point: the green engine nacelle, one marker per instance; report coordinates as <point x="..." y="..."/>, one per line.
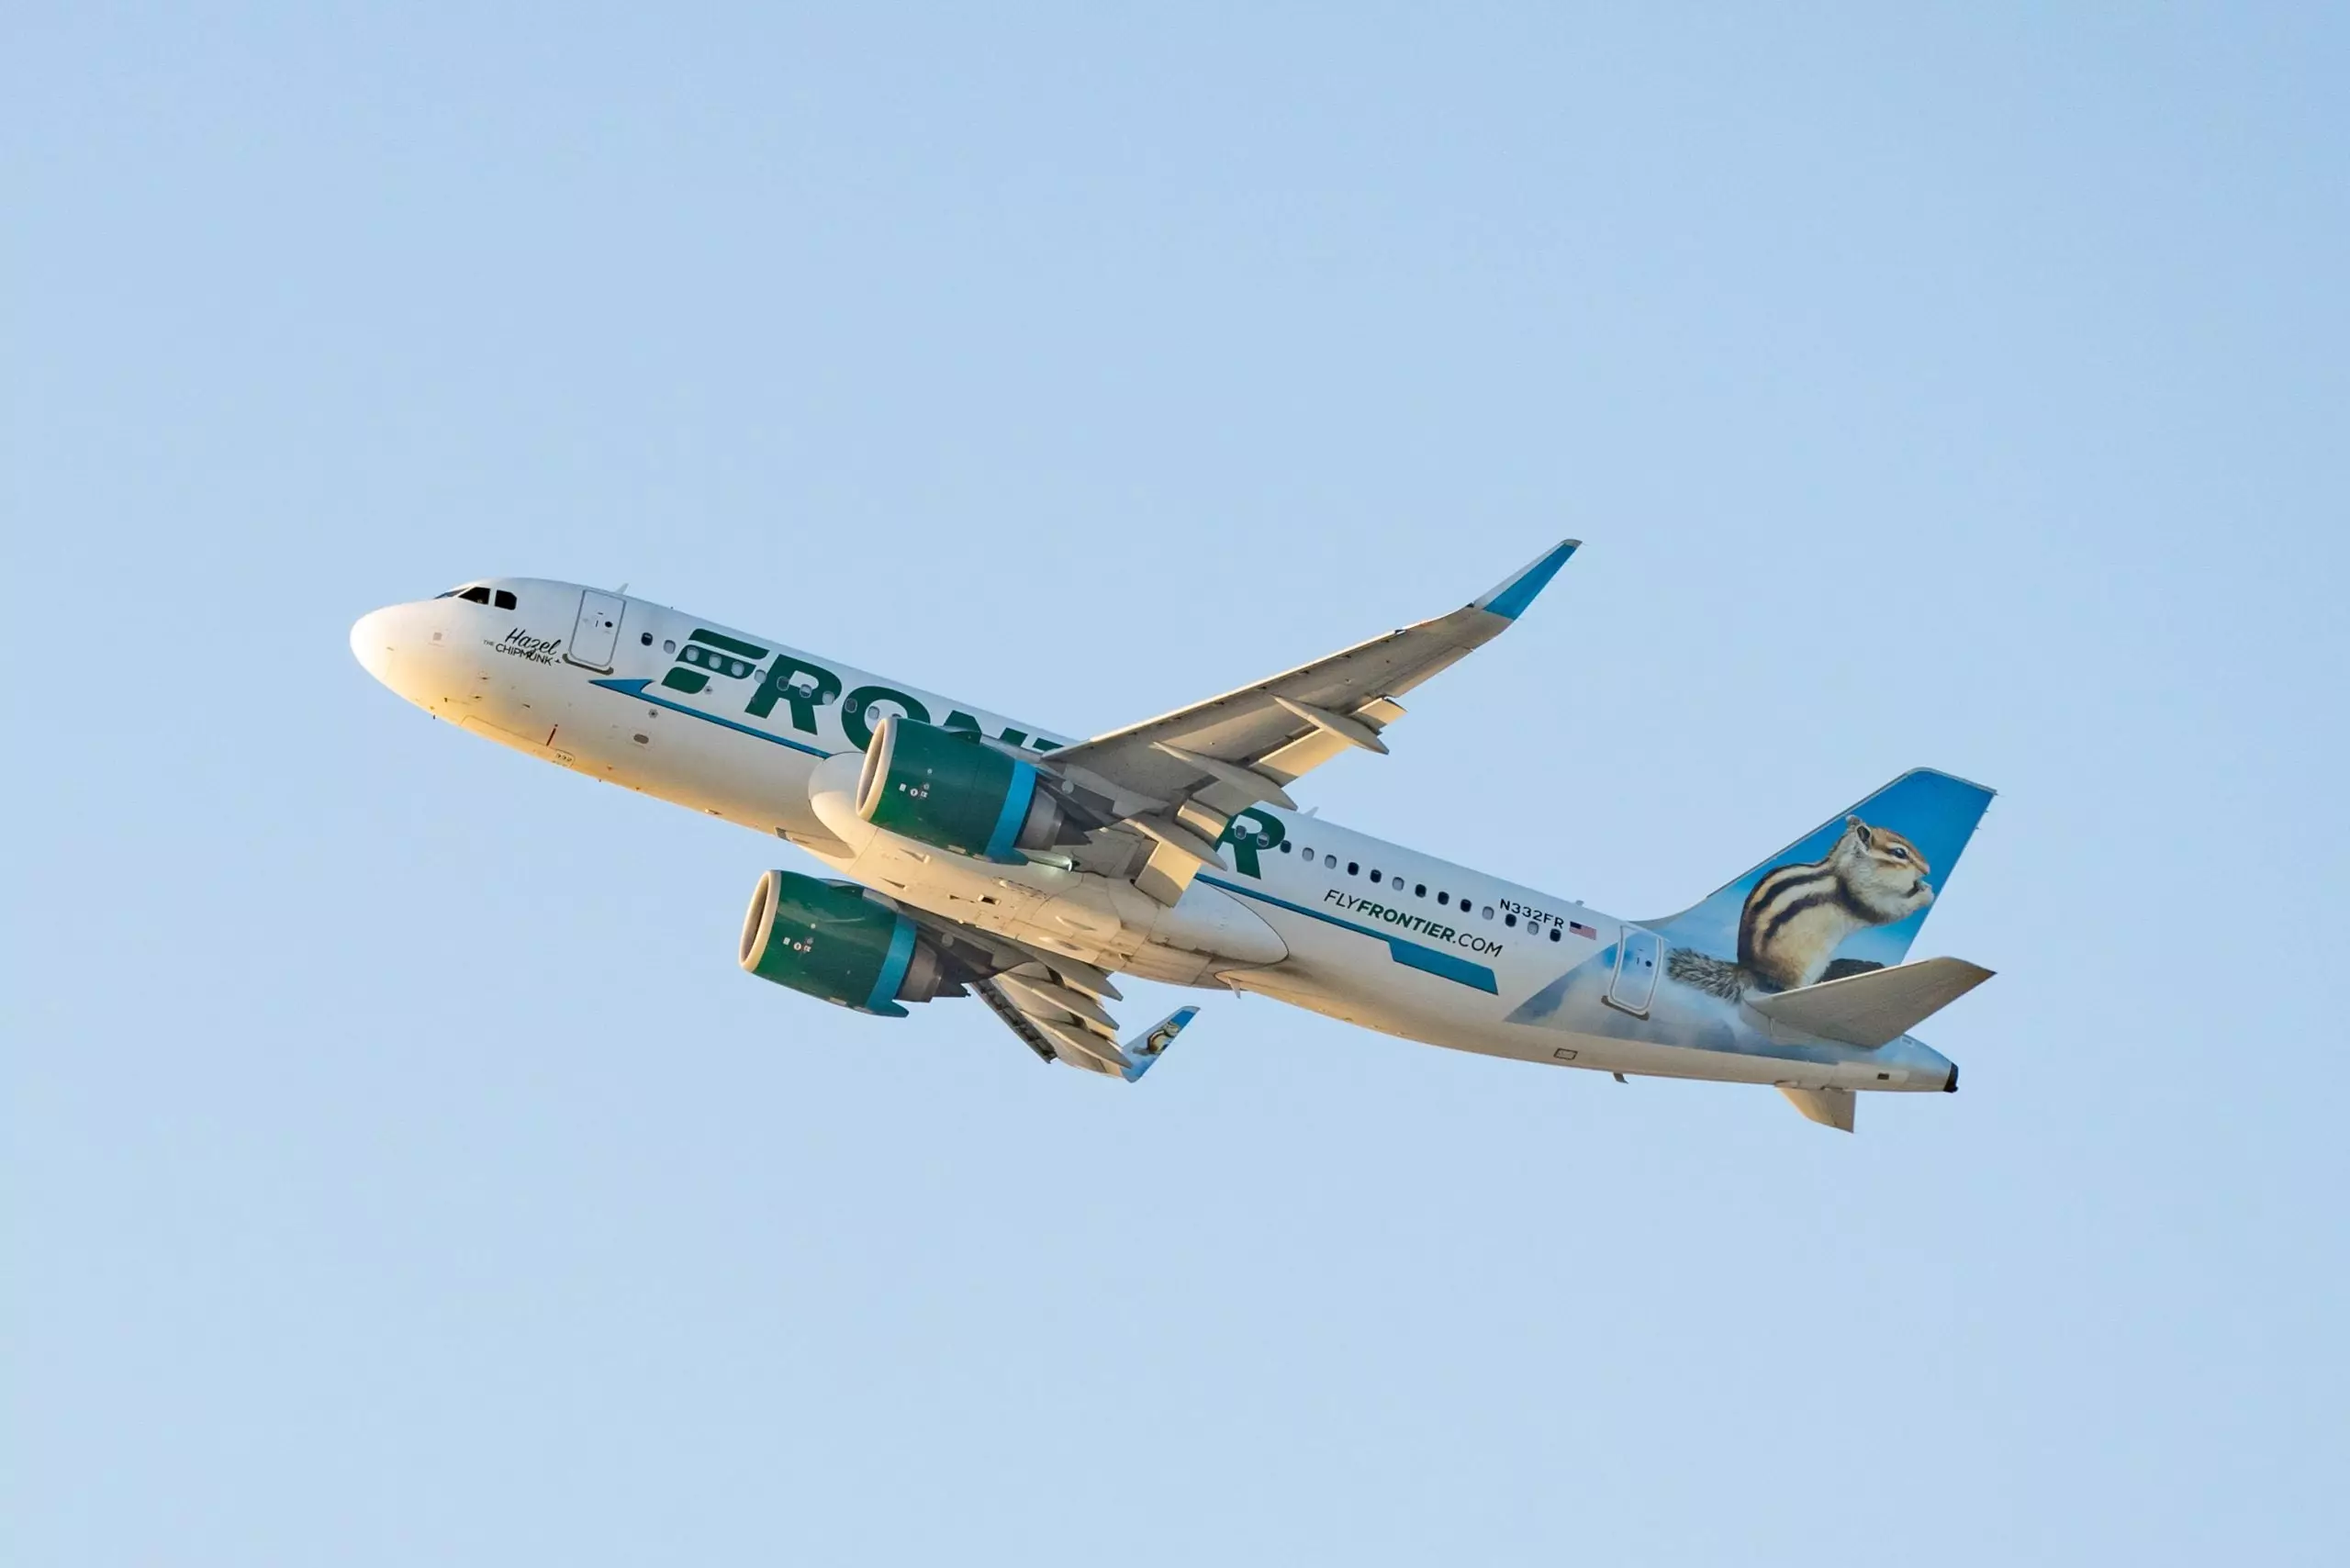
<point x="949" y="789"/>
<point x="837" y="941"/>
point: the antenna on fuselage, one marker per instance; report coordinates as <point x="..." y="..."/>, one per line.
<point x="621" y="590"/>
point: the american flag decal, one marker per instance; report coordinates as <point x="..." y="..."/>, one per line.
<point x="1580" y="929"/>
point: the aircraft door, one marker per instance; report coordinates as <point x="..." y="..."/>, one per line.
<point x="1637" y="957"/>
<point x="597" y="630"/>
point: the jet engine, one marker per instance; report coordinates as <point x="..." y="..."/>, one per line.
<point x="841" y="942"/>
<point x="950" y="788"/>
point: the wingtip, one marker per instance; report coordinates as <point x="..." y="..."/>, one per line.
<point x="1153" y="1041"/>
<point x="1509" y="598"/>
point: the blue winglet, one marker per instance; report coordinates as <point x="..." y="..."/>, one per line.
<point x="1510" y="598"/>
<point x="1155" y="1041"/>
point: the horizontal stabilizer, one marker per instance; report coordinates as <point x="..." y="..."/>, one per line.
<point x="1873" y="1007"/>
<point x="1828" y="1107"/>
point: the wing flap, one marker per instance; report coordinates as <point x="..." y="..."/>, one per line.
<point x="1042" y="1020"/>
<point x="1004" y="1008"/>
<point x="1051" y="1003"/>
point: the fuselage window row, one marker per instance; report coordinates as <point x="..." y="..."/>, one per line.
<point x="1419" y="889"/>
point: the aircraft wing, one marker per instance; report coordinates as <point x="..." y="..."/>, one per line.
<point x="1053" y="1003"/>
<point x="1177" y="778"/>
<point x="1065" y="1026"/>
<point x="1282" y="728"/>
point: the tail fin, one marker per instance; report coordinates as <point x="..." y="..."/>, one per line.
<point x="1847" y="897"/>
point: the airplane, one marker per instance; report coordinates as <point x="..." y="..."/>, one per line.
<point x="978" y="855"/>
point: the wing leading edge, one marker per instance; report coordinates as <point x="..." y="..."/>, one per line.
<point x="1177" y="780"/>
<point x="1283" y="727"/>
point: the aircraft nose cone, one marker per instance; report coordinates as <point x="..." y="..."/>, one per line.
<point x="371" y="644"/>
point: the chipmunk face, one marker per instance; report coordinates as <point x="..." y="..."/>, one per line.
<point x="1882" y="871"/>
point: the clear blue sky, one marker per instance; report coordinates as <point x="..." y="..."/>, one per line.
<point x="397" y="1169"/>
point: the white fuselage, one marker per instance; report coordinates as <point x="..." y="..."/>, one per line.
<point x="1322" y="917"/>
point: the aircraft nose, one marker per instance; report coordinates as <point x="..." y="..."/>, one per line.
<point x="372" y="643"/>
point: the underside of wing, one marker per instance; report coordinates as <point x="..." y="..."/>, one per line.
<point x="1067" y="1026"/>
<point x="1054" y="1032"/>
<point x="1055" y="1004"/>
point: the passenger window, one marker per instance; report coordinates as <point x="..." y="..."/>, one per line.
<point x="1509" y="919"/>
<point x="1489" y="912"/>
<point x="1443" y="898"/>
<point x="505" y="600"/>
<point x="1354" y="867"/>
<point x="1374" y="876"/>
<point x="1284" y="847"/>
<point x="1331" y="861"/>
<point x="1554" y="934"/>
<point x="1419" y="889"/>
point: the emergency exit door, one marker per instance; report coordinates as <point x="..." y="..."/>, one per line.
<point x="1637" y="957"/>
<point x="597" y="630"/>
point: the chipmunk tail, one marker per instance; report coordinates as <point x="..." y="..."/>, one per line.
<point x="1929" y="816"/>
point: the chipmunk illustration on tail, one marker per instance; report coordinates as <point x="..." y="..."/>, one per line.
<point x="1798" y="915"/>
<point x="1742" y="963"/>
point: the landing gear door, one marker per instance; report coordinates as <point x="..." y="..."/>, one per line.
<point x="598" y="631"/>
<point x="1638" y="958"/>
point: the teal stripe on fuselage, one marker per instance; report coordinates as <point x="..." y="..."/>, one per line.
<point x="1411" y="955"/>
<point x="636" y="688"/>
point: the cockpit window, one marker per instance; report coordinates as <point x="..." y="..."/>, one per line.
<point x="505" y="600"/>
<point x="475" y="595"/>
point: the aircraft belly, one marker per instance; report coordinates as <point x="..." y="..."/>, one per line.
<point x="1354" y="978"/>
<point x="492" y="729"/>
<point x="1081" y="914"/>
<point x="1209" y="922"/>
